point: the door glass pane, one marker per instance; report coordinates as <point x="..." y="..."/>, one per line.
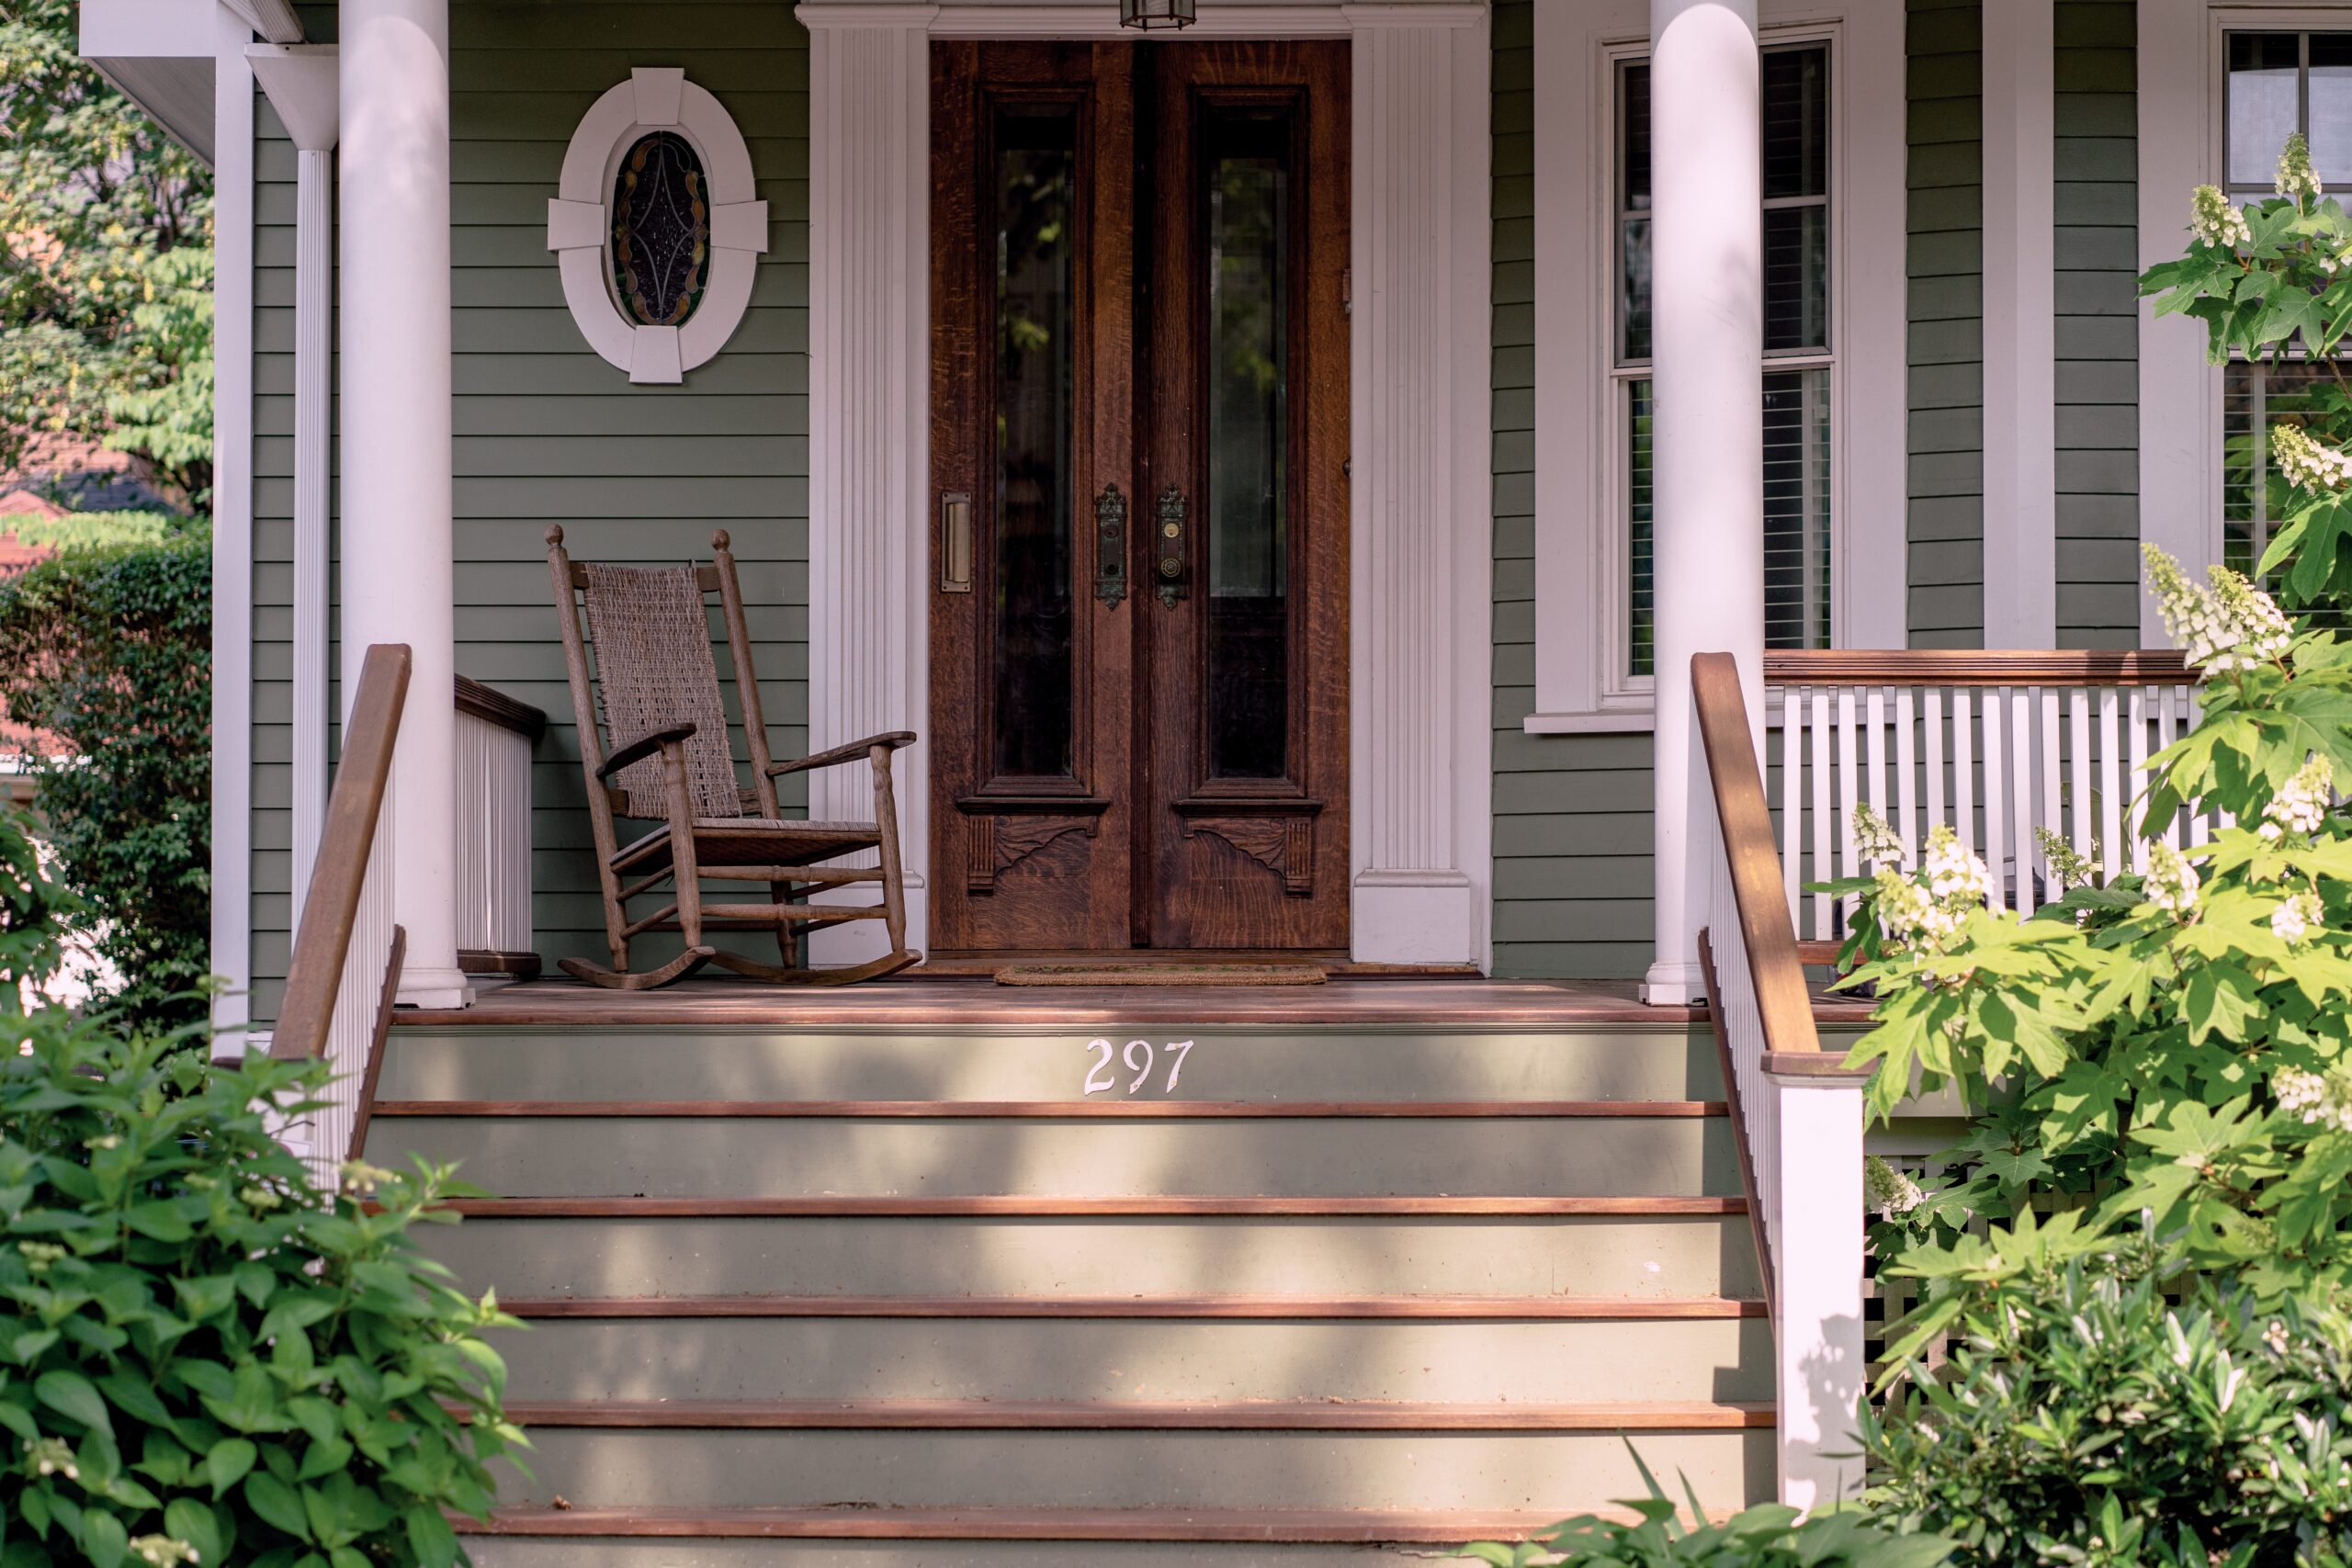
<point x="2262" y="103"/>
<point x="1248" y="169"/>
<point x="1036" y="162"/>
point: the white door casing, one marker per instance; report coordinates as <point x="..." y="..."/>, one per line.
<point x="1419" y="421"/>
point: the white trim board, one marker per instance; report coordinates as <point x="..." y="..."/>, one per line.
<point x="1422" y="864"/>
<point x="2021" y="325"/>
<point x="1579" y="683"/>
<point x="232" y="527"/>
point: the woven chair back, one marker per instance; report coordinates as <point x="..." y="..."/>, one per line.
<point x="654" y="668"/>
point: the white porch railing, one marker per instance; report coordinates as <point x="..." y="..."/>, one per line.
<point x="1797" y="1114"/>
<point x="1996" y="745"/>
<point x="495" y="735"/>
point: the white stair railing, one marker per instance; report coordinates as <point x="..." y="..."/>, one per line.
<point x="1797" y="1114"/>
<point x="1996" y="745"/>
<point x="495" y="735"/>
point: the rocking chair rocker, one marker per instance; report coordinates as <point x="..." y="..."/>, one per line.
<point x="655" y="690"/>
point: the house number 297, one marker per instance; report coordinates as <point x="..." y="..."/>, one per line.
<point x="1139" y="1057"/>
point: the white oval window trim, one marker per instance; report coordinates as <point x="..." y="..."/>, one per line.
<point x="579" y="224"/>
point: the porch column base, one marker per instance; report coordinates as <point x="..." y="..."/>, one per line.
<point x="435" y="988"/>
<point x="1673" y="985"/>
<point x="1414" y="917"/>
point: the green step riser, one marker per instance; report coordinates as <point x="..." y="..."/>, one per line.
<point x="606" y="1552"/>
<point x="694" y="1468"/>
<point x="1642" y="1063"/>
<point x="790" y="1156"/>
<point x="1145" y="1359"/>
<point x="1636" y="1257"/>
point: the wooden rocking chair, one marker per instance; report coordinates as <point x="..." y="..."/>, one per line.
<point x="654" y="699"/>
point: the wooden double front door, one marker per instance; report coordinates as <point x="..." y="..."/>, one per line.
<point x="1139" y="573"/>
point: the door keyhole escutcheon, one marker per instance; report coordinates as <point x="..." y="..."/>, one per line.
<point x="1111" y="547"/>
<point x="1173" y="585"/>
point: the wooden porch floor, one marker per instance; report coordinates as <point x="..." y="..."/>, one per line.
<point x="918" y="999"/>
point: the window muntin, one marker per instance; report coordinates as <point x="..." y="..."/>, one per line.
<point x="1798" y="347"/>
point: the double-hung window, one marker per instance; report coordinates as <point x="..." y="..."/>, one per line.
<point x="2277" y="83"/>
<point x="1799" y="347"/>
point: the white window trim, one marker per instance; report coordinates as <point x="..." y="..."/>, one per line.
<point x="579" y="224"/>
<point x="1580" y="539"/>
<point x="2180" y="126"/>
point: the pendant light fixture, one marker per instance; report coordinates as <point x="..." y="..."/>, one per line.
<point x="1147" y="14"/>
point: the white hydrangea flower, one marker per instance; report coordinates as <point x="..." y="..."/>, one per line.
<point x="2304" y="463"/>
<point x="1956" y="875"/>
<point x="1874" y="839"/>
<point x="2313" y="1100"/>
<point x="2171" y="881"/>
<point x="2301" y="804"/>
<point x="162" y="1551"/>
<point x="1890" y="1191"/>
<point x="2230" y="626"/>
<point x="2215" y="220"/>
<point x="2297" y="179"/>
<point x="52" y="1456"/>
<point x="1905" y="910"/>
<point x="2293" y="921"/>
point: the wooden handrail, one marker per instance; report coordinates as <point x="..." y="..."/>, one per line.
<point x="495" y="707"/>
<point x="332" y="905"/>
<point x="1976" y="667"/>
<point x="1766" y="931"/>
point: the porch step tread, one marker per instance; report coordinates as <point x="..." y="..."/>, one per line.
<point x="1266" y="1416"/>
<point x="858" y="1522"/>
<point x="1218" y="1307"/>
<point x="1050" y="1206"/>
<point x="1012" y="1109"/>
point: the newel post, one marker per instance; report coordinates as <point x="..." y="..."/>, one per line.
<point x="1817" y="1261"/>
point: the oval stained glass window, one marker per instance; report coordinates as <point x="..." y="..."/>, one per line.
<point x="660" y="231"/>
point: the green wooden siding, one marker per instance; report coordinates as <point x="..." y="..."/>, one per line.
<point x="1944" y="268"/>
<point x="548" y="433"/>
<point x="1572" y="813"/>
<point x="545" y="432"/>
<point x="2096" y="204"/>
<point x="269" y="902"/>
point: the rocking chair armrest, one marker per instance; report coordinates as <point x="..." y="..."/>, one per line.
<point x="644" y="746"/>
<point x="854" y="751"/>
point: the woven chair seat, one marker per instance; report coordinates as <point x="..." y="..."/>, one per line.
<point x="753" y="840"/>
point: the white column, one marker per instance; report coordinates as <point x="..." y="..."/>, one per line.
<point x="397" y="464"/>
<point x="1707" y="337"/>
<point x="1421" y="510"/>
<point x="1818" y="1254"/>
<point x="232" y="521"/>
<point x="2020" y="328"/>
<point x="300" y="80"/>
<point x="869" y="411"/>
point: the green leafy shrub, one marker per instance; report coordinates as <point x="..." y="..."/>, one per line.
<point x="110" y="648"/>
<point x="1766" y="1536"/>
<point x="2085" y="1419"/>
<point x="203" y="1357"/>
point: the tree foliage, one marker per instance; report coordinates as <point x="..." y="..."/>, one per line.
<point x="109" y="648"/>
<point x="106" y="273"/>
